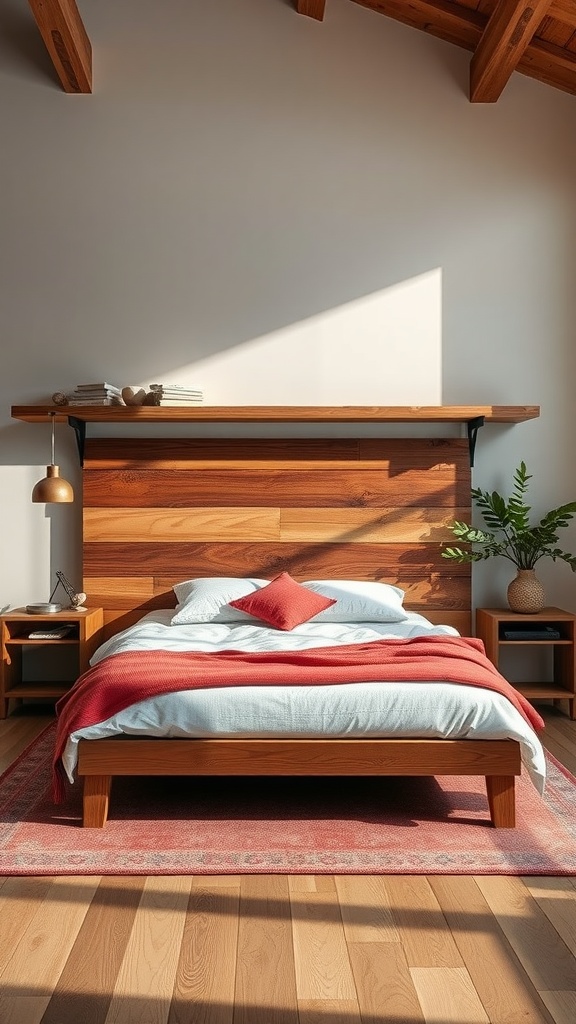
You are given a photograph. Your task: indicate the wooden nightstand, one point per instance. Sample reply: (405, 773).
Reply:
(84, 637)
(492, 625)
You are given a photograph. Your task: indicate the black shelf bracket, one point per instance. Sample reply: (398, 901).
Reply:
(473, 426)
(79, 428)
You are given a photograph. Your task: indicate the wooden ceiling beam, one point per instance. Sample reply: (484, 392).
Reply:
(311, 8)
(441, 18)
(504, 42)
(67, 42)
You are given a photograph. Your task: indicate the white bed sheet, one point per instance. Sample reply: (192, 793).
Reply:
(400, 710)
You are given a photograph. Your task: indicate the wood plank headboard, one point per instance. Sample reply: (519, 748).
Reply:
(158, 511)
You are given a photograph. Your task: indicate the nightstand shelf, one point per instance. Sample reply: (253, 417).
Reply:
(16, 626)
(491, 624)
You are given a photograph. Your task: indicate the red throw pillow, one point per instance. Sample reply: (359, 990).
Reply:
(284, 603)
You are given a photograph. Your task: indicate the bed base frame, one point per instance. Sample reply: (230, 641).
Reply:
(100, 760)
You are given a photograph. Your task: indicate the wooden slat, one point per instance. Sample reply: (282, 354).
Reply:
(311, 8)
(67, 42)
(315, 561)
(137, 454)
(165, 526)
(359, 526)
(270, 487)
(394, 455)
(309, 525)
(503, 43)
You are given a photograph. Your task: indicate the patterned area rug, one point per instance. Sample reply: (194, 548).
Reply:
(296, 826)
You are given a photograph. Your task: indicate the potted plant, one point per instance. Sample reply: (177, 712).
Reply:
(510, 534)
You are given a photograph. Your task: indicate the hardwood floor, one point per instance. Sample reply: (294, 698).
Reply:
(277, 949)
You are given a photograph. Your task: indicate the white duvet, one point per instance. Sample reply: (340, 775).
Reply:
(419, 709)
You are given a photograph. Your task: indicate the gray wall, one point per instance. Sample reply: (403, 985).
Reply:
(280, 210)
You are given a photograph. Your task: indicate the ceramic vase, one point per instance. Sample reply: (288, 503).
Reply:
(526, 593)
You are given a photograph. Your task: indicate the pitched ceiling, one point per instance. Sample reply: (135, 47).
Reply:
(534, 37)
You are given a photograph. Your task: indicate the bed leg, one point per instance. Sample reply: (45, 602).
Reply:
(502, 800)
(96, 799)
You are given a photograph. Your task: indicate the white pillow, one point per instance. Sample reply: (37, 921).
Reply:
(206, 599)
(359, 601)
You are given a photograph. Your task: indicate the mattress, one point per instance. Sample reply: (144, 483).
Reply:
(432, 710)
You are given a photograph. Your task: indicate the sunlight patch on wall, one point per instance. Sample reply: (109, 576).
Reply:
(382, 349)
(25, 542)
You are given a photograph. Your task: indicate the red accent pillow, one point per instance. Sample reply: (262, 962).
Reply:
(284, 603)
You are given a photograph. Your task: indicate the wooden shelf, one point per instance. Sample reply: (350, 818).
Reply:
(278, 413)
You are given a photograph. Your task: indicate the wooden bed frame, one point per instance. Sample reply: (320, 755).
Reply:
(159, 511)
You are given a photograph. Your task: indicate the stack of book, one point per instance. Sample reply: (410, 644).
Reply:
(96, 394)
(174, 394)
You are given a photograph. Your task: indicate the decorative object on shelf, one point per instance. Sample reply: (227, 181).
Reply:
(525, 593)
(52, 488)
(173, 394)
(133, 395)
(96, 394)
(76, 600)
(511, 535)
(44, 608)
(59, 398)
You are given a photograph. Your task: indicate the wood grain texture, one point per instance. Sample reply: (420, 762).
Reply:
(311, 8)
(323, 969)
(67, 42)
(280, 413)
(356, 508)
(504, 41)
(304, 486)
(495, 971)
(265, 990)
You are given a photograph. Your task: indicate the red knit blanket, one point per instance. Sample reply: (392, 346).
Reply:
(124, 679)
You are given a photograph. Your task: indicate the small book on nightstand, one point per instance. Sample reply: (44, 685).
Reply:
(51, 633)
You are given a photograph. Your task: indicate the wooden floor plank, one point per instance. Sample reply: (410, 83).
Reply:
(206, 974)
(265, 991)
(497, 975)
(321, 960)
(84, 989)
(365, 910)
(18, 733)
(557, 898)
(20, 899)
(424, 932)
(328, 1011)
(145, 982)
(542, 953)
(40, 955)
(562, 1006)
(447, 996)
(383, 981)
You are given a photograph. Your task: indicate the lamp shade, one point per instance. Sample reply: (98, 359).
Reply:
(52, 488)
